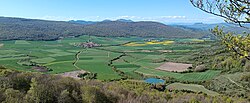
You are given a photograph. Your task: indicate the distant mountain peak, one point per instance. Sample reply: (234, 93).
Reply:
(106, 20)
(82, 22)
(93, 22)
(124, 20)
(199, 23)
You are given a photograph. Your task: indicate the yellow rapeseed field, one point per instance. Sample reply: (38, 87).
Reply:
(163, 42)
(198, 40)
(134, 44)
(167, 42)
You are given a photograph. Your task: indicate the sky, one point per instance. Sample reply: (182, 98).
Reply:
(165, 11)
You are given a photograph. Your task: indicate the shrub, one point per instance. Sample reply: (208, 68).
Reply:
(246, 78)
(88, 75)
(200, 68)
(247, 67)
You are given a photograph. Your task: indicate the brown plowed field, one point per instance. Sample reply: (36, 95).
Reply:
(171, 67)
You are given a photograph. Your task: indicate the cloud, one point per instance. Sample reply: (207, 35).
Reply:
(56, 18)
(173, 17)
(150, 18)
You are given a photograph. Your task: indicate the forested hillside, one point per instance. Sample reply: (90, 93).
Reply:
(30, 29)
(22, 87)
(142, 29)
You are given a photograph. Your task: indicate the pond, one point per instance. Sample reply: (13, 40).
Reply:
(154, 81)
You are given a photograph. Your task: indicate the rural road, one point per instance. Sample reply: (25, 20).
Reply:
(235, 83)
(77, 59)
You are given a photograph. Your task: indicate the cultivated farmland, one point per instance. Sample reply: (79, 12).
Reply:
(171, 67)
(116, 58)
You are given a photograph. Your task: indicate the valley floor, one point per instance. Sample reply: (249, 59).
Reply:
(142, 56)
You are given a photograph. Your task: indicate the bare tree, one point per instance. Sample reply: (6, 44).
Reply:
(233, 11)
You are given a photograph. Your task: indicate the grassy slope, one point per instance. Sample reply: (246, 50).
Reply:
(191, 87)
(230, 84)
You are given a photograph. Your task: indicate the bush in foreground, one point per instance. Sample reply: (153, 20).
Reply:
(20, 87)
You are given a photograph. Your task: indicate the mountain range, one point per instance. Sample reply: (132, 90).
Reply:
(33, 29)
(207, 27)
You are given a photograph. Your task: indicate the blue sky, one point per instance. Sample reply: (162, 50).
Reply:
(166, 11)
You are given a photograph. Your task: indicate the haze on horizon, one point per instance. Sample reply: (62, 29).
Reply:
(165, 11)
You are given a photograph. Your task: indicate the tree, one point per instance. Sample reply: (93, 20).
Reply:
(93, 95)
(31, 95)
(233, 11)
(238, 44)
(65, 97)
(41, 91)
(13, 96)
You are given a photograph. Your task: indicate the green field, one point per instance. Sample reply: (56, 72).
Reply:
(21, 42)
(59, 56)
(191, 87)
(43, 60)
(196, 76)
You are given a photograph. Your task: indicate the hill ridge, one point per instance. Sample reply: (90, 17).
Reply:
(35, 29)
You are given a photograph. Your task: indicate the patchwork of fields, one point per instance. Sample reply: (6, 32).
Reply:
(140, 56)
